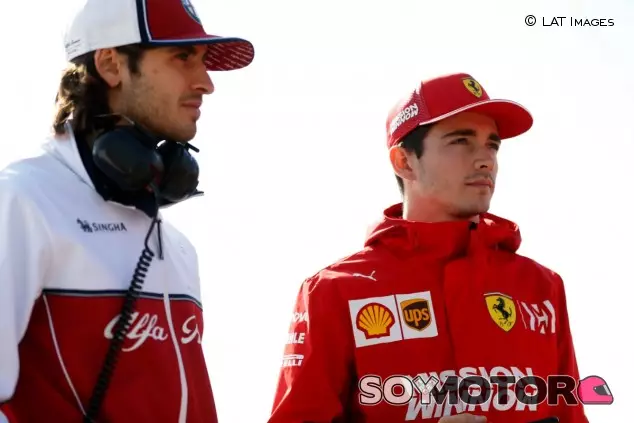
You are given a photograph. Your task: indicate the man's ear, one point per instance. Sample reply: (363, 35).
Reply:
(400, 163)
(109, 65)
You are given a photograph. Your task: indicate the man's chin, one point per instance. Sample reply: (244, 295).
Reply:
(182, 136)
(471, 211)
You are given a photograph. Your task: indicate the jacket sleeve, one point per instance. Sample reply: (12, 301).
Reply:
(23, 263)
(567, 358)
(316, 379)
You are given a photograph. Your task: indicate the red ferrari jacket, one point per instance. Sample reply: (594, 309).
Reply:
(439, 300)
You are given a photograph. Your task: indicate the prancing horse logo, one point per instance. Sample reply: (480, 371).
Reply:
(473, 86)
(502, 310)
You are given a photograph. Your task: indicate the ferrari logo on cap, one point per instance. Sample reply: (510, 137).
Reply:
(502, 310)
(473, 86)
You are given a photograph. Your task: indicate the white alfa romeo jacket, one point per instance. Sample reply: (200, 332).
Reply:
(66, 261)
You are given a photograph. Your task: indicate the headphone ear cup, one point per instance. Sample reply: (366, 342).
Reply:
(125, 160)
(180, 171)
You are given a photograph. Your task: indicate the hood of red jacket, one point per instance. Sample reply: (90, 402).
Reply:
(443, 238)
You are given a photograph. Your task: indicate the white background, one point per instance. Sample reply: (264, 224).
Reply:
(295, 168)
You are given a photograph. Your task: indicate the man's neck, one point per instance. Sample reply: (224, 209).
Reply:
(431, 212)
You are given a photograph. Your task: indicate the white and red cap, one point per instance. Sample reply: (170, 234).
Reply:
(439, 98)
(115, 23)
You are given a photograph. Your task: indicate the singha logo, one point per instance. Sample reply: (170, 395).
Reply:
(85, 226)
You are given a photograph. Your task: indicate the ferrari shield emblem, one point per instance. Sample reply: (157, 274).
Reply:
(502, 310)
(473, 86)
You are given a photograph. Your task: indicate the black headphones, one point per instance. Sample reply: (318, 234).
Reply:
(135, 160)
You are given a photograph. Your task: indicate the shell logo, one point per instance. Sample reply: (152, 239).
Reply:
(375, 320)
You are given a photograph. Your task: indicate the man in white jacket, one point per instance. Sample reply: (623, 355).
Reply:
(82, 241)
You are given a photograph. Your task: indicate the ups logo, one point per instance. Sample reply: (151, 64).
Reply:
(416, 313)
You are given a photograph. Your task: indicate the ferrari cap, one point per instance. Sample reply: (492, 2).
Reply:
(442, 97)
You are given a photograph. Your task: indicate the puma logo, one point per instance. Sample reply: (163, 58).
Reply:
(360, 275)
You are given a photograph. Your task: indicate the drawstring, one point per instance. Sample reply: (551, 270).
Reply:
(157, 220)
(160, 238)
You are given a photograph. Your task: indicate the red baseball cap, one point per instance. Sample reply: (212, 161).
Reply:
(114, 23)
(439, 98)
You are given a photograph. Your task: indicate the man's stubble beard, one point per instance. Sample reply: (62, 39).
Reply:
(143, 106)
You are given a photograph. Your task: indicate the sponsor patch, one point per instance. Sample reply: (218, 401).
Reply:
(417, 315)
(502, 310)
(392, 318)
(375, 320)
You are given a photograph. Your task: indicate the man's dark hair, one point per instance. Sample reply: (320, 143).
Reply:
(414, 142)
(83, 93)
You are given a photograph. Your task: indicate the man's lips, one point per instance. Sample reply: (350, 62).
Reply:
(481, 183)
(194, 104)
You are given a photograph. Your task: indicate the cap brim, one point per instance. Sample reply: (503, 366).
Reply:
(511, 118)
(225, 53)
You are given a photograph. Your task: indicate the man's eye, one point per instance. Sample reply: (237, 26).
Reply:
(460, 141)
(495, 146)
(183, 56)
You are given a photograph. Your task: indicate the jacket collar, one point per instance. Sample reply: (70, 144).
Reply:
(443, 239)
(64, 149)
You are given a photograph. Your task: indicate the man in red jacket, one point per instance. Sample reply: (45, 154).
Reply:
(438, 294)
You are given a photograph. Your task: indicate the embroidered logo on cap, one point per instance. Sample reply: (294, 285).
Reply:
(406, 114)
(191, 11)
(473, 86)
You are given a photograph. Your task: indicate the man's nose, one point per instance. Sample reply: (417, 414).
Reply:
(203, 82)
(485, 158)
(484, 163)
